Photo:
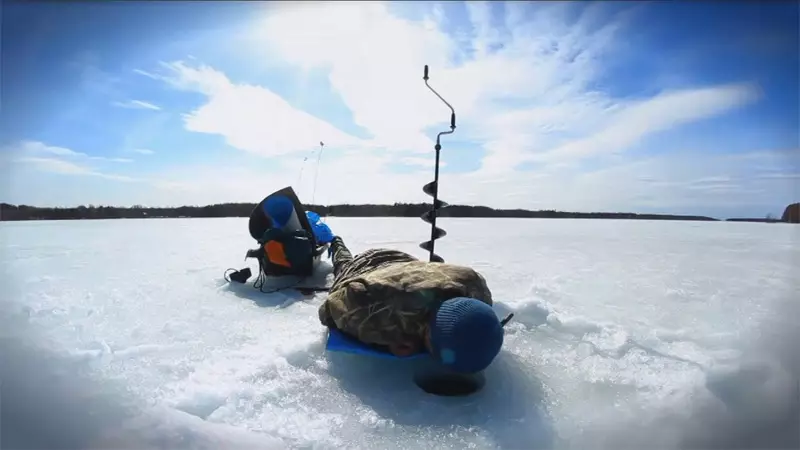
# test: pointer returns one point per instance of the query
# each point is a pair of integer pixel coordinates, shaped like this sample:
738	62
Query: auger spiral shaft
432	188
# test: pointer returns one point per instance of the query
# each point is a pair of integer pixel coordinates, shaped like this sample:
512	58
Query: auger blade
430	188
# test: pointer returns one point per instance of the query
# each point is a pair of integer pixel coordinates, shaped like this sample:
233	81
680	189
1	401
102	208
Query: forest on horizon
10	212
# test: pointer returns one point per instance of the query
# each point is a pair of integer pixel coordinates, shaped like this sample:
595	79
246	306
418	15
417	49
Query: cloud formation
137	104
40	148
540	125
522	87
33	162
522	90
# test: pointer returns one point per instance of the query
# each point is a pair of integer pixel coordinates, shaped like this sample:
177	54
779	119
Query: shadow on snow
510	407
279	292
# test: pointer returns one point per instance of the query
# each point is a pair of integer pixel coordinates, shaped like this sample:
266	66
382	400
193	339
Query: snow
123	334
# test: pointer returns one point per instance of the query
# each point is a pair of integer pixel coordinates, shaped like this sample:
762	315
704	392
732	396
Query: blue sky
675	107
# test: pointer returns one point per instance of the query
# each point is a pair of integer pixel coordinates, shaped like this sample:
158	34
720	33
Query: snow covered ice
627	334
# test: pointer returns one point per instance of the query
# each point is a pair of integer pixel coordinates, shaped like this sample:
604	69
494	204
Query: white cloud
633	122
523	86
251	118
425	162
683	183
143	151
62	160
780	176
54	165
59	166
146	74
137	104
35	147
375	62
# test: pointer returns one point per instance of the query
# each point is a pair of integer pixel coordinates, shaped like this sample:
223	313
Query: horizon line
395	204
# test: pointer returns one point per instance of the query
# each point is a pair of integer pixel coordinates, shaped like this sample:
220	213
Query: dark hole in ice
450	385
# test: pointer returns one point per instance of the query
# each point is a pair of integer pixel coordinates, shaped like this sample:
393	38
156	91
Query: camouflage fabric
385	296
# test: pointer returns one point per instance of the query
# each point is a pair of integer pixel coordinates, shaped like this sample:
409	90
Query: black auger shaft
432	188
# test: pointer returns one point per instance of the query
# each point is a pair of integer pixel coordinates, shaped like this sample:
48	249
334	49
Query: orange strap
276	254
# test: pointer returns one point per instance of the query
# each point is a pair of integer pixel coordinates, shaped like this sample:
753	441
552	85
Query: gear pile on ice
291	240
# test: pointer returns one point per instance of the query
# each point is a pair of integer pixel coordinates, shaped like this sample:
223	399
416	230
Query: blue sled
339	342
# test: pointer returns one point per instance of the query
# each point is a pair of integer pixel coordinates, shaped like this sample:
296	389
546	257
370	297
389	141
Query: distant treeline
22	212
765	220
791	215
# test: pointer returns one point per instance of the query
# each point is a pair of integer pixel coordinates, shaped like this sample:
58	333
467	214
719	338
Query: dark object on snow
432	188
792	213
287	244
450	384
239	276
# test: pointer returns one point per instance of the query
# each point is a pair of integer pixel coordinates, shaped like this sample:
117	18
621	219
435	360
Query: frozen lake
626	334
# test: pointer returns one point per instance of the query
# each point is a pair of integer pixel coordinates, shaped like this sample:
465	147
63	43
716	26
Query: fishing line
302	166
316	171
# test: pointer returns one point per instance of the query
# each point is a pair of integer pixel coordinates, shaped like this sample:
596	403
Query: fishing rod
432	188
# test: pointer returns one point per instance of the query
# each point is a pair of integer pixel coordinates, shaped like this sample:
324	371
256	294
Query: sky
650	107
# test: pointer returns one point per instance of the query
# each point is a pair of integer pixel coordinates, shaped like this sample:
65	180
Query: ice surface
123	333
